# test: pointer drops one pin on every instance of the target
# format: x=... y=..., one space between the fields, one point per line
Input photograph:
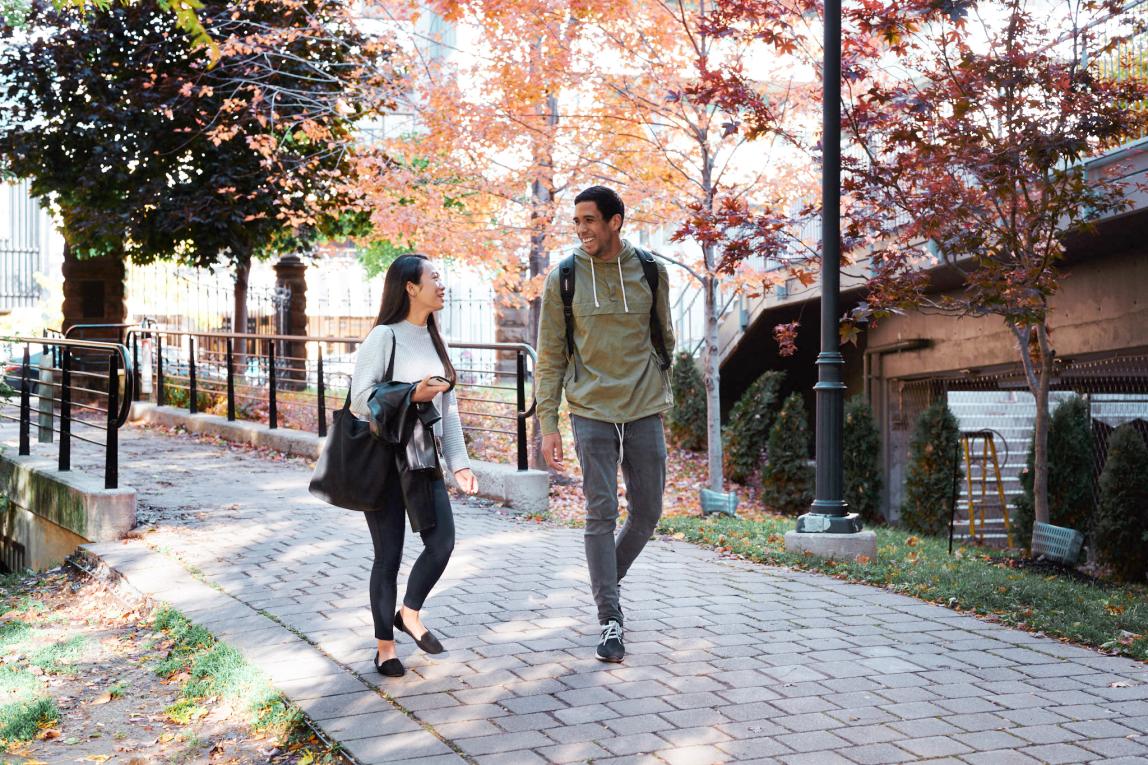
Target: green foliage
x=1121 y=529
x=975 y=581
x=1070 y=470
x=378 y=255
x=787 y=476
x=194 y=159
x=687 y=419
x=13 y=632
x=58 y=658
x=219 y=671
x=748 y=430
x=933 y=464
x=862 y=454
x=21 y=720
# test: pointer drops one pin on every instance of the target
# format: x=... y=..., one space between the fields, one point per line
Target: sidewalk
x=727 y=661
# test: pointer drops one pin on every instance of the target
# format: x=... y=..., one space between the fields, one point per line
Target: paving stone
x=694 y=755
x=1116 y=747
x=639 y=743
x=1054 y=754
x=683 y=737
x=933 y=746
x=877 y=754
x=504 y=742
x=397 y=747
x=580 y=752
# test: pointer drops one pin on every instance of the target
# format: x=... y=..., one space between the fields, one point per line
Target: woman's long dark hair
x=396 y=303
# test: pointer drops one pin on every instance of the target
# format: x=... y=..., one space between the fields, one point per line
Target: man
x=617 y=386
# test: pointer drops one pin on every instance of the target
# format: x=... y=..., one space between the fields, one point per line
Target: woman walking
x=406 y=332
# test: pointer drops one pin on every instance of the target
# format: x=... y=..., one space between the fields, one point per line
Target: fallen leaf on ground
x=103 y=698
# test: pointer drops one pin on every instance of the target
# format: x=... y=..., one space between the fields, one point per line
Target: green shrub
x=744 y=438
x=862 y=452
x=1070 y=470
x=787 y=476
x=1120 y=533
x=933 y=462
x=688 y=417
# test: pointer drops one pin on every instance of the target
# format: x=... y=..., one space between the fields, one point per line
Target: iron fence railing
x=295 y=380
x=76 y=384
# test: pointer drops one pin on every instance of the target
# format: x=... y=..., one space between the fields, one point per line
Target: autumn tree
x=975 y=167
x=154 y=153
x=702 y=179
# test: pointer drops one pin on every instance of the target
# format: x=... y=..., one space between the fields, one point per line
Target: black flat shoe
x=390 y=667
x=428 y=642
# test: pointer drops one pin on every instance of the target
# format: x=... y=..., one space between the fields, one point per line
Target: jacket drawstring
x=625 y=302
x=621 y=441
x=594 y=281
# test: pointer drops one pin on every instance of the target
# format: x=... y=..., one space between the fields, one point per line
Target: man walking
x=607 y=344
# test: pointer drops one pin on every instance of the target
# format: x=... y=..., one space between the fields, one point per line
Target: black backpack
x=650 y=269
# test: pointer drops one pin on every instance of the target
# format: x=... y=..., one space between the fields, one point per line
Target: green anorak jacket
x=614 y=375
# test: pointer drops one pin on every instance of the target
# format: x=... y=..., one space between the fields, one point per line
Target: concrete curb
x=526 y=491
x=347 y=709
x=50 y=513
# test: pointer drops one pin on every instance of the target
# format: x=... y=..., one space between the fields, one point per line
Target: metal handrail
x=116 y=412
x=266 y=347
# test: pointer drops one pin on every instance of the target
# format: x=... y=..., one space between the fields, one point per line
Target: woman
x=412 y=292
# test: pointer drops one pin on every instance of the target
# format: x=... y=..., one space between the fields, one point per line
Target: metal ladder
x=987 y=459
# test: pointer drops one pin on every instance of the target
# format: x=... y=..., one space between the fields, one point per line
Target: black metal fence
x=295 y=380
x=81 y=393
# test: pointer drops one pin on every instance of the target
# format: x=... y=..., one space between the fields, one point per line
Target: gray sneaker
x=610 y=646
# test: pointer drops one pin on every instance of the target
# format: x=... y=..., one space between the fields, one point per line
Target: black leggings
x=387 y=529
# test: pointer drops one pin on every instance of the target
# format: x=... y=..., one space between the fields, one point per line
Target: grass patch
x=22 y=720
x=13 y=632
x=58 y=658
x=1108 y=616
x=218 y=671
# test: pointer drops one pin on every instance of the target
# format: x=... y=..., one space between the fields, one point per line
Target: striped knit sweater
x=415 y=358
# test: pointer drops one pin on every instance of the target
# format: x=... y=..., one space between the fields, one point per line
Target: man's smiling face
x=597 y=235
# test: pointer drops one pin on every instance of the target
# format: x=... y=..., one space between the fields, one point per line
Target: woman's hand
x=427 y=389
x=466 y=480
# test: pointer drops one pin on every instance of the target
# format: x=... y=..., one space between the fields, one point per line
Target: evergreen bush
x=1120 y=533
x=1070 y=470
x=787 y=476
x=687 y=419
x=862 y=453
x=933 y=462
x=747 y=432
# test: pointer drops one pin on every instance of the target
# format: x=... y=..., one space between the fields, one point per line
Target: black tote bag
x=353 y=468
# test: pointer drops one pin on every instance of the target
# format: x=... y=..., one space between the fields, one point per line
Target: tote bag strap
x=386 y=375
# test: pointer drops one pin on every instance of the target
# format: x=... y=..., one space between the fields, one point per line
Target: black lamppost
x=829 y=513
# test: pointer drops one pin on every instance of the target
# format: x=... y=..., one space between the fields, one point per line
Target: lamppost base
x=818 y=523
x=859 y=546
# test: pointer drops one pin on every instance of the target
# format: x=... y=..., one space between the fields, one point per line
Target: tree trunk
x=713 y=384
x=1040 y=436
x=239 y=312
x=1038 y=372
x=541 y=197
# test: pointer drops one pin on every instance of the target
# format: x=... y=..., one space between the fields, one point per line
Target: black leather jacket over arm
x=408 y=427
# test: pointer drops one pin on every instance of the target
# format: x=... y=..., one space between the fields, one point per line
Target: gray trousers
x=642 y=447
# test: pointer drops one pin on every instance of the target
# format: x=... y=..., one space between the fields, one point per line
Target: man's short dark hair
x=607 y=200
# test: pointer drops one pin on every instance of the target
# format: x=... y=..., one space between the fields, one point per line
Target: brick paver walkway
x=727 y=661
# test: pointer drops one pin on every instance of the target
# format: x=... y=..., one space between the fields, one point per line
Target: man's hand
x=552 y=451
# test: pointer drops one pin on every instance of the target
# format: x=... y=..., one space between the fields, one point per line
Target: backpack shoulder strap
x=657 y=337
x=566 y=287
